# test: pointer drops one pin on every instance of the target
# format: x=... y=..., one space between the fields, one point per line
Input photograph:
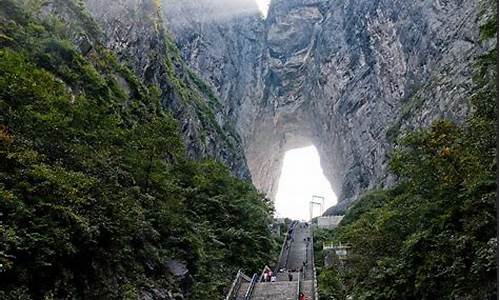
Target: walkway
x=298 y=252
x=296 y=259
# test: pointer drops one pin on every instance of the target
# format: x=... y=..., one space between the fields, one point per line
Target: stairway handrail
x=292 y=226
x=315 y=282
x=282 y=248
x=235 y=282
x=251 y=287
x=245 y=277
x=298 y=286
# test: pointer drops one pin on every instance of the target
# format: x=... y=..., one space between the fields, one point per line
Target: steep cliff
x=133 y=30
x=346 y=76
x=99 y=198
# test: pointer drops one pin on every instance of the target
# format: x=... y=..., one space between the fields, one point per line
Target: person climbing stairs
x=296 y=262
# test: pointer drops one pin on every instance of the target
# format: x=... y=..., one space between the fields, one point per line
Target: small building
x=279 y=220
x=333 y=253
x=342 y=251
x=328 y=254
x=276 y=228
x=329 y=222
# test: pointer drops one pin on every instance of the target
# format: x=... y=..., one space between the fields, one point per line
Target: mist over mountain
x=187 y=13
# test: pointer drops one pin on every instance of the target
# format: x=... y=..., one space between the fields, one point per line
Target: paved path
x=297 y=256
x=298 y=253
x=283 y=290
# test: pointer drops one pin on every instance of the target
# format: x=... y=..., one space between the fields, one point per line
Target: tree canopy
x=97 y=194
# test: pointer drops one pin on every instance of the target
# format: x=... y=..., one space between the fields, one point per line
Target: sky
x=301 y=178
x=263 y=6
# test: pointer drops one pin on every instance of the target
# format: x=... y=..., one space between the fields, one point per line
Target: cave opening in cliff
x=263 y=6
x=302 y=178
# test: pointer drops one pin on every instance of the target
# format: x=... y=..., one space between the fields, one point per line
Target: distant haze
x=205 y=11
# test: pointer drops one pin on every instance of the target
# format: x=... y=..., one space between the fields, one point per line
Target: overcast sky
x=301 y=178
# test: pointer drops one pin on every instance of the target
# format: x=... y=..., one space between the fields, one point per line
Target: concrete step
x=283 y=276
x=240 y=295
x=307 y=288
x=284 y=290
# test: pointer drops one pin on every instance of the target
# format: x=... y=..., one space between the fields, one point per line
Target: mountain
x=120 y=177
x=130 y=131
x=349 y=77
x=134 y=31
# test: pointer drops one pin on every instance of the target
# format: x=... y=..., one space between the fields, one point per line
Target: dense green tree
x=434 y=235
x=97 y=193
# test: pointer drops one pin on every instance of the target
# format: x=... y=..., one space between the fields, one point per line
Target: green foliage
x=331 y=285
x=434 y=235
x=321 y=236
x=489 y=29
x=370 y=201
x=96 y=191
x=333 y=281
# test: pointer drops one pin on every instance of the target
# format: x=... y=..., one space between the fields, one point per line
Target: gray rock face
x=134 y=30
x=177 y=268
x=347 y=76
x=225 y=49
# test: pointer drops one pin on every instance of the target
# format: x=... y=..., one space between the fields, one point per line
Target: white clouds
x=301 y=178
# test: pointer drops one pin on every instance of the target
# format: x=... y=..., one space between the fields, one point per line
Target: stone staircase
x=283 y=276
x=297 y=257
x=281 y=290
x=307 y=287
x=242 y=290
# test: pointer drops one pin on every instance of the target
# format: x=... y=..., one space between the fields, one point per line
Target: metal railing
x=285 y=241
x=235 y=287
x=315 y=282
x=298 y=286
x=249 y=291
x=283 y=247
x=328 y=245
x=235 y=293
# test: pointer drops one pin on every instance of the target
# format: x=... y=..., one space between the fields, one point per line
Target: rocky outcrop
x=347 y=76
x=133 y=29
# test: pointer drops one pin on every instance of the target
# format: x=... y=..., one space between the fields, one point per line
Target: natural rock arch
x=341 y=75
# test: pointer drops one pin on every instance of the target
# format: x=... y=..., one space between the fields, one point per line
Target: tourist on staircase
x=294 y=268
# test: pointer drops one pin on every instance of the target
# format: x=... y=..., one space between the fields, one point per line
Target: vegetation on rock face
x=434 y=235
x=97 y=195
